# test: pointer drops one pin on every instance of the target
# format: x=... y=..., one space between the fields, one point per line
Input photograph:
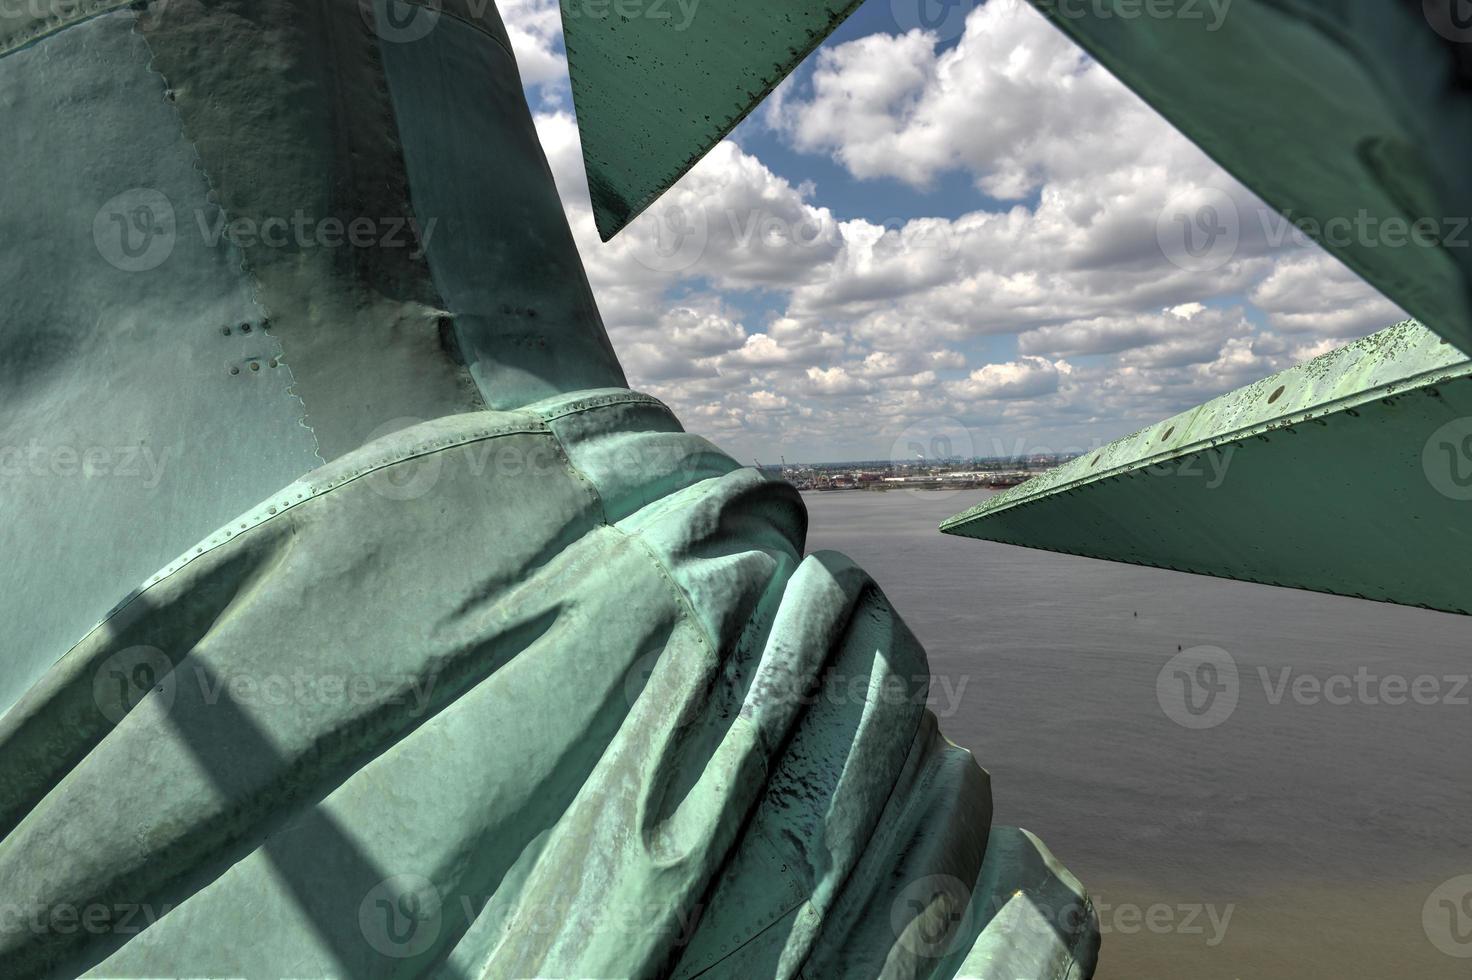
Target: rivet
x=255 y=365
x=235 y=370
x=245 y=328
x=226 y=331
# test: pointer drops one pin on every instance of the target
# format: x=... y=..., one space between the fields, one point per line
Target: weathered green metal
x=312 y=271
x=524 y=680
x=1349 y=474
x=655 y=90
x=1351 y=117
x=551 y=692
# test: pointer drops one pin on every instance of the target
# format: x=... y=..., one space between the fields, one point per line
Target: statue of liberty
x=364 y=623
x=449 y=655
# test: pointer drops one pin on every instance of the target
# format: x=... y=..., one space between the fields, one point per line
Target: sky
x=949 y=235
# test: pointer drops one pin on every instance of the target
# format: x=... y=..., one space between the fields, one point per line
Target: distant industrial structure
x=919 y=474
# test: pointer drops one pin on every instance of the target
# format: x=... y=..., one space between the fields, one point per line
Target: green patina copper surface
x=1343 y=475
x=656 y=90
x=1351 y=117
x=460 y=659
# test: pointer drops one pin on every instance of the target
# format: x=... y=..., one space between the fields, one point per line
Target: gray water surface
x=1301 y=835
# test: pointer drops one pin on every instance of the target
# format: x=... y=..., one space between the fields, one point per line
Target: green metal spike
x=1350 y=474
x=655 y=93
x=1351 y=117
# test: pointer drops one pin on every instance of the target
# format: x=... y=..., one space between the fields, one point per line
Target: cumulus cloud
x=1056 y=307
x=1027 y=377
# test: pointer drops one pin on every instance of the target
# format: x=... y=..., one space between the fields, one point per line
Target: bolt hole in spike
x=1168 y=433
x=1275 y=395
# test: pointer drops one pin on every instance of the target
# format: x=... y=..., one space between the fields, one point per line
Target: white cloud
x=836 y=381
x=1027 y=377
x=1060 y=299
